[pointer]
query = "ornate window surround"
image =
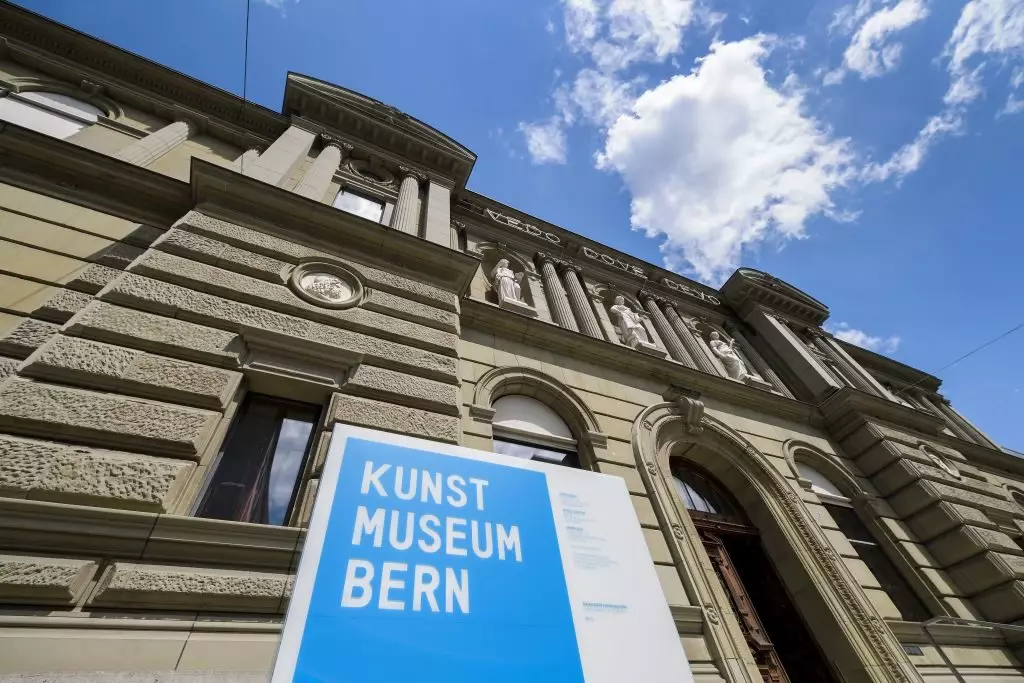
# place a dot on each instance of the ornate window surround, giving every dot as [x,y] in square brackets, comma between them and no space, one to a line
[111,110]
[499,382]
[862,641]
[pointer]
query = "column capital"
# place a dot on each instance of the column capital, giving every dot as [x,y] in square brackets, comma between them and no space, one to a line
[331,141]
[410,172]
[566,266]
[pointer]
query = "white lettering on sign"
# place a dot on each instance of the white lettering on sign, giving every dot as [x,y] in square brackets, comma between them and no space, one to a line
[686,289]
[614,262]
[430,533]
[516,224]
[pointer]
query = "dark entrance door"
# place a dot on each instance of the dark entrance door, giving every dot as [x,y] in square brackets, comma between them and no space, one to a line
[775,632]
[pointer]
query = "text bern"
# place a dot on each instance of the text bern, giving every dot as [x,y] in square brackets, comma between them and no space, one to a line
[392,585]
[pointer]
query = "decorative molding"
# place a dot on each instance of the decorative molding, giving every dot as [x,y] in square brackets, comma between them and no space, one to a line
[328,285]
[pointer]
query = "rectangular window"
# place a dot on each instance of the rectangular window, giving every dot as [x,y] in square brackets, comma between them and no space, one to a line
[256,476]
[360,205]
[518,449]
[896,587]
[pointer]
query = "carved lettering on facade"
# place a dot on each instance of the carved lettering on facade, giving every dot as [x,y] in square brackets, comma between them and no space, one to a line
[614,262]
[516,224]
[690,291]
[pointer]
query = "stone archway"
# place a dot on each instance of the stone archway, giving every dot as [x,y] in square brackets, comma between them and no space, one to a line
[849,629]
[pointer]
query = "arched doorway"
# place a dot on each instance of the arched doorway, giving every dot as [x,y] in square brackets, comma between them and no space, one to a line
[779,640]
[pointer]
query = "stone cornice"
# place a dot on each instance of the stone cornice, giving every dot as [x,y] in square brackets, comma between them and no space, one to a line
[67,54]
[747,288]
[489,318]
[847,407]
[903,373]
[60,169]
[224,193]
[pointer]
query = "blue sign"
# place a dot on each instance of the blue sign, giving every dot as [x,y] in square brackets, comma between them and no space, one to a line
[425,567]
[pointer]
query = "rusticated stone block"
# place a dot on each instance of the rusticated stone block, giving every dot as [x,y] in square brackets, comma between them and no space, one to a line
[28,336]
[967,541]
[8,367]
[93,279]
[45,580]
[105,322]
[62,305]
[125,584]
[72,360]
[1002,604]
[986,571]
[200,248]
[391,418]
[942,517]
[48,411]
[225,283]
[46,470]
[400,387]
[118,255]
[210,310]
[253,240]
[407,309]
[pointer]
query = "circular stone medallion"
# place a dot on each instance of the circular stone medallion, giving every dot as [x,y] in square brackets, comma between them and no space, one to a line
[327,284]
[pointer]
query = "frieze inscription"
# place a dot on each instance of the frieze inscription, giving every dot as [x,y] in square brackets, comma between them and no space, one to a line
[519,225]
[690,291]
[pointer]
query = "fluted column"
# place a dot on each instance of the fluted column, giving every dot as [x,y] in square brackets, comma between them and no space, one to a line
[759,362]
[848,370]
[246,158]
[406,217]
[145,151]
[667,334]
[580,303]
[689,339]
[560,309]
[321,172]
[934,410]
[964,424]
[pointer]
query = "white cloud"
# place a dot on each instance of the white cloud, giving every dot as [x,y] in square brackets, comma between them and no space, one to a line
[719,159]
[599,98]
[550,27]
[849,16]
[871,52]
[910,156]
[280,5]
[618,33]
[545,140]
[863,339]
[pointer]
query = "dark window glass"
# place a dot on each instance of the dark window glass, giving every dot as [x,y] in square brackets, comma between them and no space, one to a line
[259,466]
[902,595]
[702,494]
[527,451]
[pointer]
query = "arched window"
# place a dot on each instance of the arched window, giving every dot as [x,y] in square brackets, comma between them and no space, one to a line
[527,428]
[702,496]
[840,508]
[53,114]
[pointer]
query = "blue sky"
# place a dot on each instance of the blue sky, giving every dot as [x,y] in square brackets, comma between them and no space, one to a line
[867,151]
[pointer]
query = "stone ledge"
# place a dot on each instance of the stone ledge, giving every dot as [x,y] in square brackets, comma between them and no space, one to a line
[413,311]
[45,470]
[72,360]
[36,409]
[380,383]
[224,283]
[293,252]
[28,336]
[105,322]
[206,309]
[93,279]
[43,580]
[126,584]
[61,306]
[391,418]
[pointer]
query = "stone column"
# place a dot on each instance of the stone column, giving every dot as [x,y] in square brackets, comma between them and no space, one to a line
[283,155]
[689,339]
[560,309]
[876,386]
[579,302]
[759,363]
[963,423]
[814,380]
[406,217]
[667,334]
[848,370]
[146,150]
[321,172]
[246,159]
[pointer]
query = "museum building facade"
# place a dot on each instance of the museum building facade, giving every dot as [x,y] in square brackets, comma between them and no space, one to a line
[194,290]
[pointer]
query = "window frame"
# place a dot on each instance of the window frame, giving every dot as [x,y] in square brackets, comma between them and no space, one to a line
[47,108]
[302,474]
[364,192]
[525,437]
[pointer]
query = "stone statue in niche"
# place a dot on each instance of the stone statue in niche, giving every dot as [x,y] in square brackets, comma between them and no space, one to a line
[726,353]
[508,286]
[506,283]
[631,329]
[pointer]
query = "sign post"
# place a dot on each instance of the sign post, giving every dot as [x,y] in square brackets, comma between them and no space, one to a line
[433,563]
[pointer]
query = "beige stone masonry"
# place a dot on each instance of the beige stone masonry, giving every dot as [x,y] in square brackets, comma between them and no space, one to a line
[391,418]
[46,470]
[93,279]
[398,387]
[43,580]
[72,360]
[1004,603]
[197,307]
[238,287]
[48,411]
[28,336]
[62,305]
[275,247]
[967,541]
[212,252]
[943,516]
[923,493]
[986,571]
[125,584]
[8,367]
[905,471]
[105,322]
